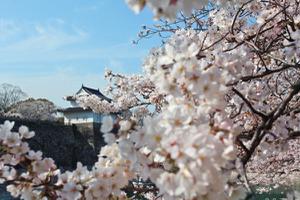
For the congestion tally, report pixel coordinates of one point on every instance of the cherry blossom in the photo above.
(211, 105)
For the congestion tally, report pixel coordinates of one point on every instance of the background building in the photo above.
(83, 120)
(78, 115)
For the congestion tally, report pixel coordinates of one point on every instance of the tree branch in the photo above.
(260, 114)
(268, 122)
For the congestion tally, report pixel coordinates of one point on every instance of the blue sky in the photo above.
(50, 47)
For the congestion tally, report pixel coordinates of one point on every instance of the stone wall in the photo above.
(91, 131)
(67, 145)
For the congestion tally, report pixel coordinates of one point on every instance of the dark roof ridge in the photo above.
(96, 92)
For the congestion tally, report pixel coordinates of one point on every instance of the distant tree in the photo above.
(9, 95)
(33, 109)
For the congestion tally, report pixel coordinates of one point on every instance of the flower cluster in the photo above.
(193, 167)
(219, 86)
(248, 56)
(109, 175)
(177, 71)
(169, 8)
(16, 153)
(29, 176)
(203, 94)
(129, 93)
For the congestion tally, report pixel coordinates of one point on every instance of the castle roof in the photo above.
(89, 91)
(74, 110)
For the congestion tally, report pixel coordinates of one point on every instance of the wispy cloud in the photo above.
(32, 40)
(44, 40)
(57, 41)
(8, 29)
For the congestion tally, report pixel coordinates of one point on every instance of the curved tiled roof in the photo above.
(92, 91)
(74, 109)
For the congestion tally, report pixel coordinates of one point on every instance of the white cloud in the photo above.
(56, 41)
(8, 30)
(44, 41)
(42, 37)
